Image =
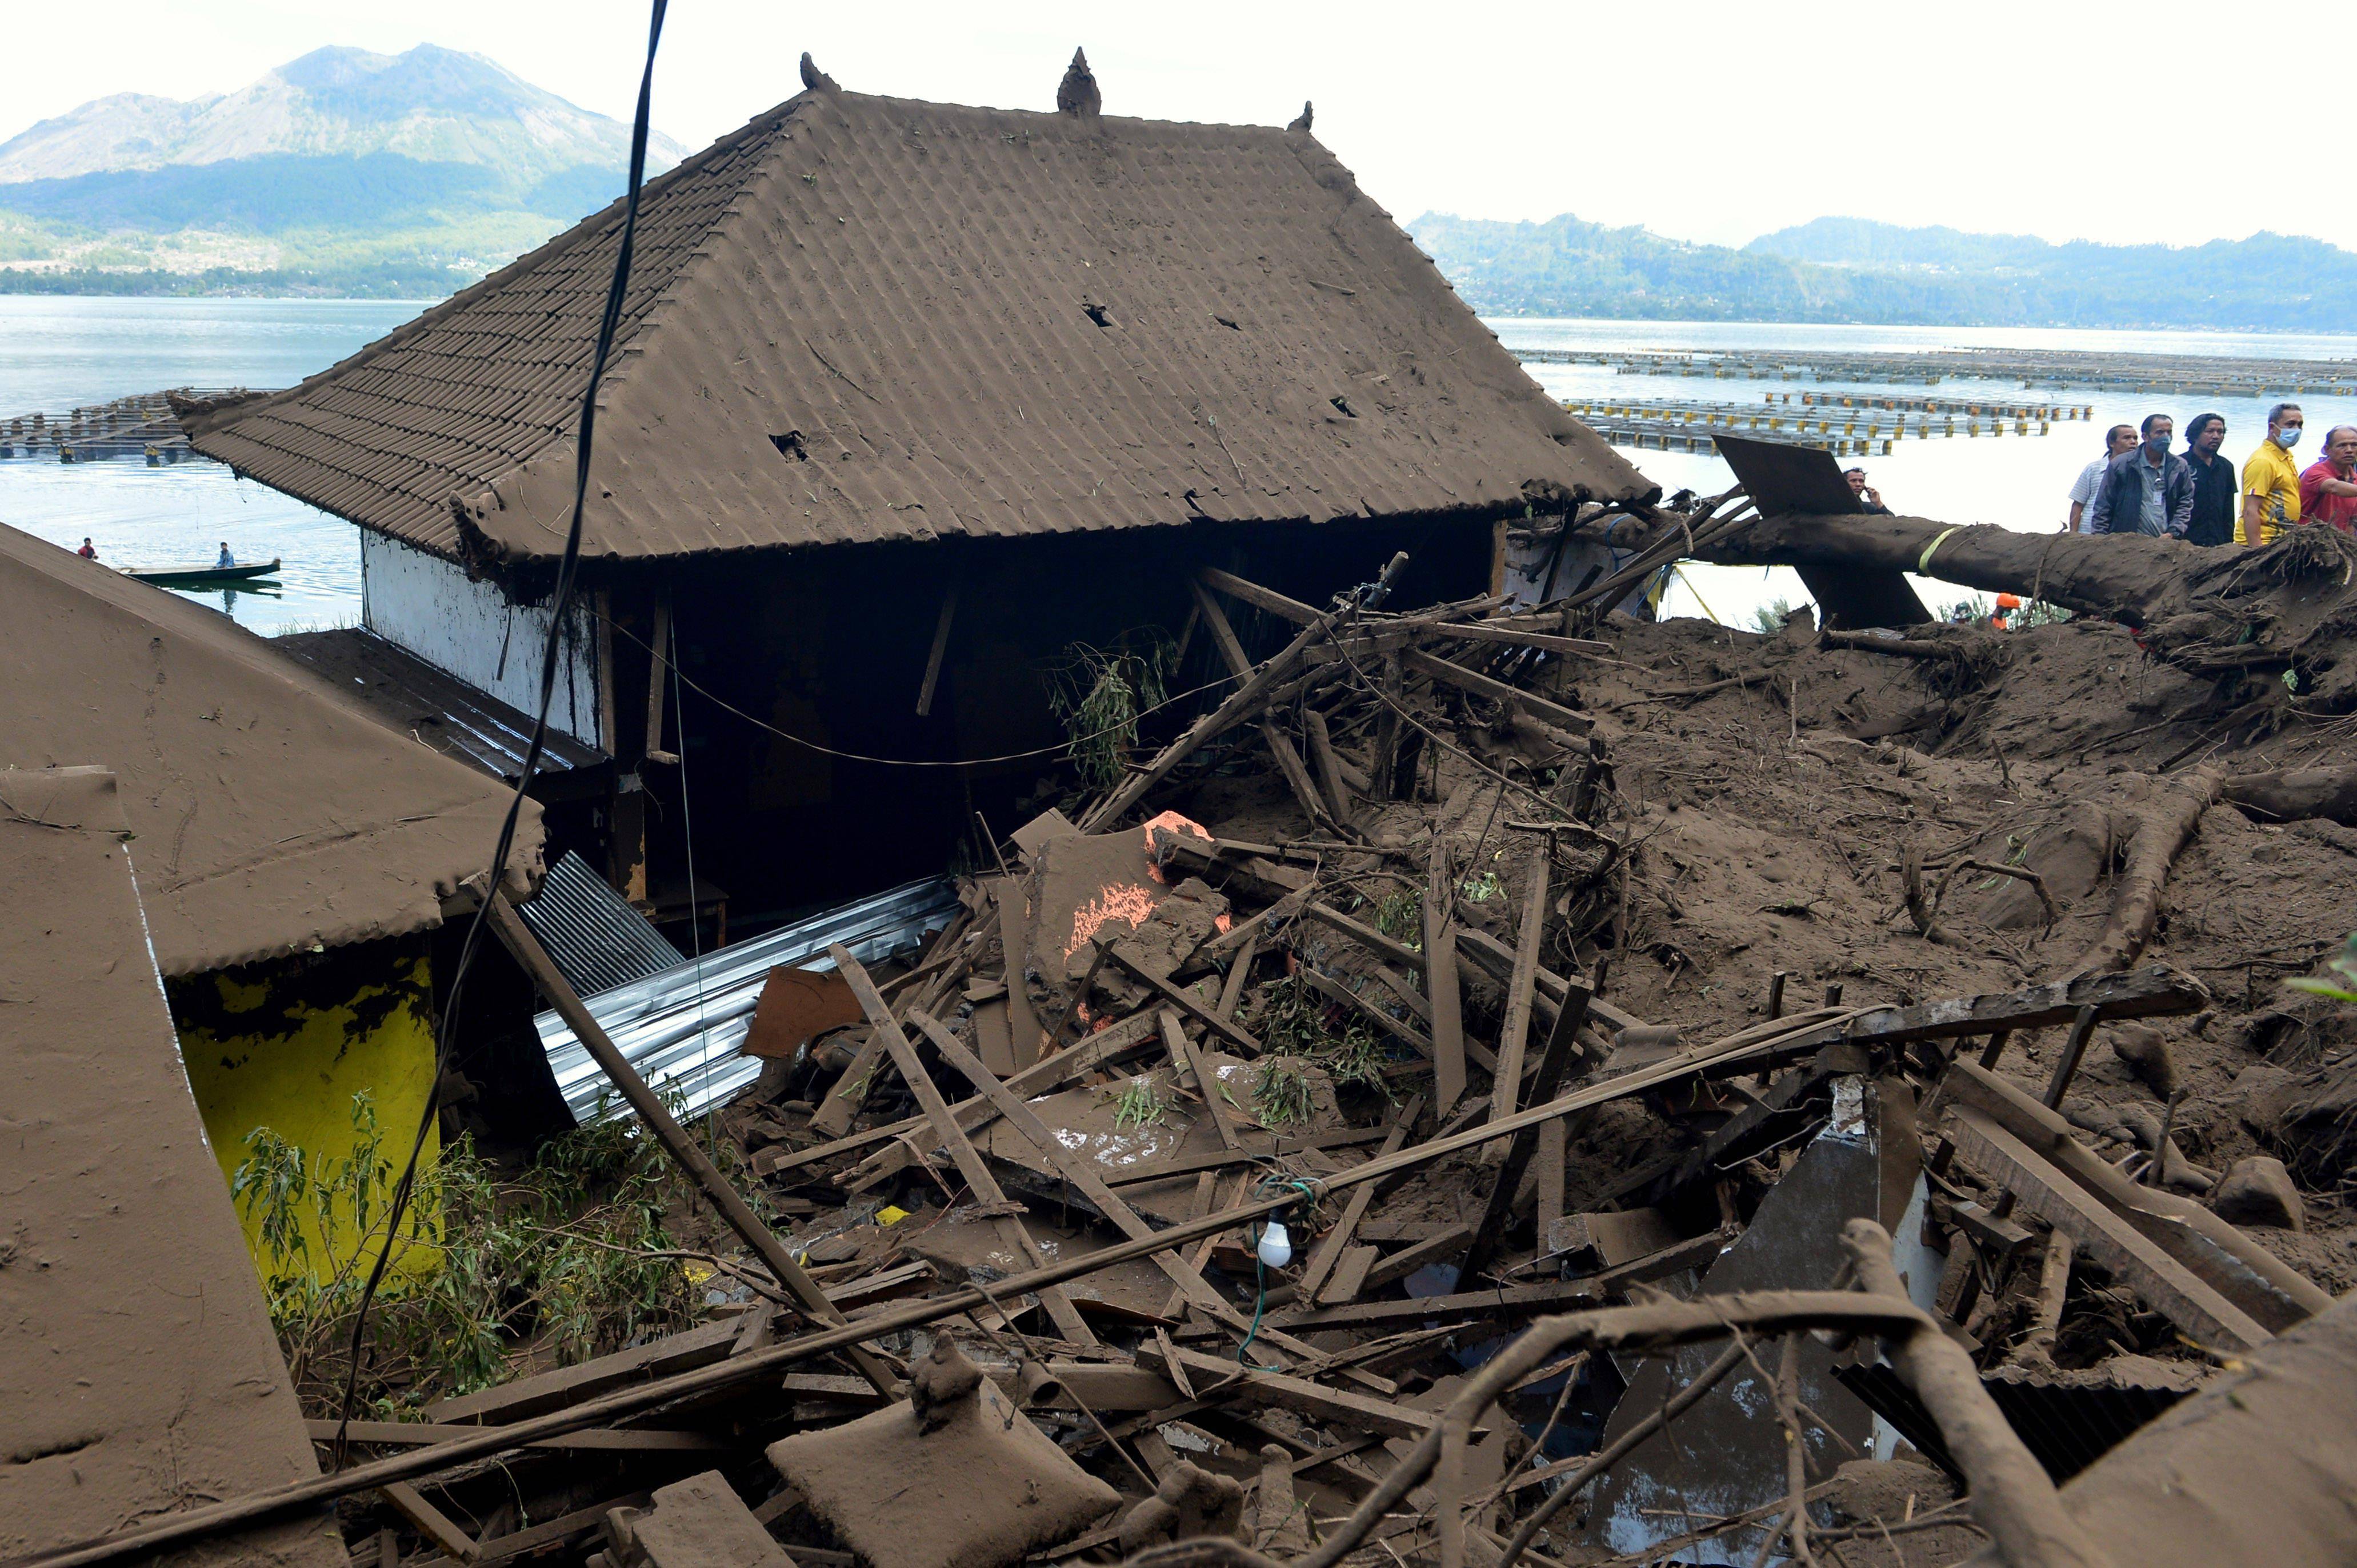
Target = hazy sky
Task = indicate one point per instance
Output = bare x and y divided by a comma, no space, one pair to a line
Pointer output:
1703,121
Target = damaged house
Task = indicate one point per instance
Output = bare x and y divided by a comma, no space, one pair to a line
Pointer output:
920,417
297,861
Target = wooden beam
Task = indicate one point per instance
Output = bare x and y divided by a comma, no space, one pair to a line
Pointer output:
1191,1064
430,1522
1067,1164
1329,1251
1554,1061
657,1119
1329,769
2132,1259
659,664
1253,1386
1223,635
1513,1040
941,645
1439,957
1482,631
1456,675
1185,1001
1260,598
1005,1217
614,1440
1296,776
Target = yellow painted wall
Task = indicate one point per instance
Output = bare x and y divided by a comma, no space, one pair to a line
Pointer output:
285,1045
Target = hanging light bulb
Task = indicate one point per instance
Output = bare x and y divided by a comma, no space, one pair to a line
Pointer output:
1275,1248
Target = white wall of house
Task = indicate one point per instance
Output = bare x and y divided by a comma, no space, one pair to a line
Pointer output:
472,630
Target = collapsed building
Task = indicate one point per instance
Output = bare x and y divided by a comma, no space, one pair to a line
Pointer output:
910,399
1489,1080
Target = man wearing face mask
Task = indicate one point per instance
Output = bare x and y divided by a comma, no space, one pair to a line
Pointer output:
2213,480
2149,491
2118,441
2271,480
2328,486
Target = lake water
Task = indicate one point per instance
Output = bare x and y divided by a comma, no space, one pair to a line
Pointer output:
57,352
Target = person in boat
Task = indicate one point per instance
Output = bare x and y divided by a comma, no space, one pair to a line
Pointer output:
88,551
226,558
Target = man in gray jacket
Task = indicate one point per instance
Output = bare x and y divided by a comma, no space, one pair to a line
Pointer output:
2149,490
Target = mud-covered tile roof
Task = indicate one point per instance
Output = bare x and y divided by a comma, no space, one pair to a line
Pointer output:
271,813
864,319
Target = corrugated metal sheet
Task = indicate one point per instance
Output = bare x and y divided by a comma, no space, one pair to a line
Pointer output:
680,1028
591,933
867,318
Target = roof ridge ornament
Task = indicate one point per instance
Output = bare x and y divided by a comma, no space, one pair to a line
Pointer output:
1077,94
815,80
1303,123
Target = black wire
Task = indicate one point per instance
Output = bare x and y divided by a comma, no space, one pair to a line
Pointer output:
607,324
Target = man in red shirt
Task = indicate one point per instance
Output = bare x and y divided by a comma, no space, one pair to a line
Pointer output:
2328,486
88,551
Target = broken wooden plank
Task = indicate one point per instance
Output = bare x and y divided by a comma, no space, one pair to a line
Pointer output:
839,1106
1516,637
621,1440
1092,1052
1450,1242
1260,598
2131,1257
1350,1277
1440,991
2273,1292
1185,1001
1456,675
430,1522
1335,789
1296,776
1253,1386
653,1115
1191,1064
1005,1218
1067,1164
1513,1040
941,645
1323,1256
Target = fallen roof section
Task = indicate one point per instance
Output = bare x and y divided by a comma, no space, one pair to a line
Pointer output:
862,318
138,1371
274,816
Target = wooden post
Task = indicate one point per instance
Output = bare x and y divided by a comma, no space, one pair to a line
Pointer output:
1385,759
511,929
1776,992
659,663
940,647
2074,1048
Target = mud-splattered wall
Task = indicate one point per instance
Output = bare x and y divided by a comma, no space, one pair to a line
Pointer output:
287,1045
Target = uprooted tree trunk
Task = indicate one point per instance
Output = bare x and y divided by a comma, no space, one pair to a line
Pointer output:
2289,604
2164,822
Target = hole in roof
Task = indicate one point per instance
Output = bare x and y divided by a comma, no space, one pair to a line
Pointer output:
1344,405
1096,313
789,445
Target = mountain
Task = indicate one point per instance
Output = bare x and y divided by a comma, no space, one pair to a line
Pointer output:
342,171
1851,269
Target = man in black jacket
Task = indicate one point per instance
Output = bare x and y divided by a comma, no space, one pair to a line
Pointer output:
2149,491
2214,486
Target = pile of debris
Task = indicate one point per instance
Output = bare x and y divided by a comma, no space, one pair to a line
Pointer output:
1424,1111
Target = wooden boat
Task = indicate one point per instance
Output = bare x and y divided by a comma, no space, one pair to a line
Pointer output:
198,577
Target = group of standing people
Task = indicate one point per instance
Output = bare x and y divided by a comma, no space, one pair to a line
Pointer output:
2139,486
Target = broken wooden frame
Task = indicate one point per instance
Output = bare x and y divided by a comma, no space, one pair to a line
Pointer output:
2146,993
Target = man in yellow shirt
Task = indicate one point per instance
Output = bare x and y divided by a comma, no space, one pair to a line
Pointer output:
2271,480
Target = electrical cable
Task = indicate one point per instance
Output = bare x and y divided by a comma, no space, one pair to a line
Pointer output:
1260,1277
1061,746
608,323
